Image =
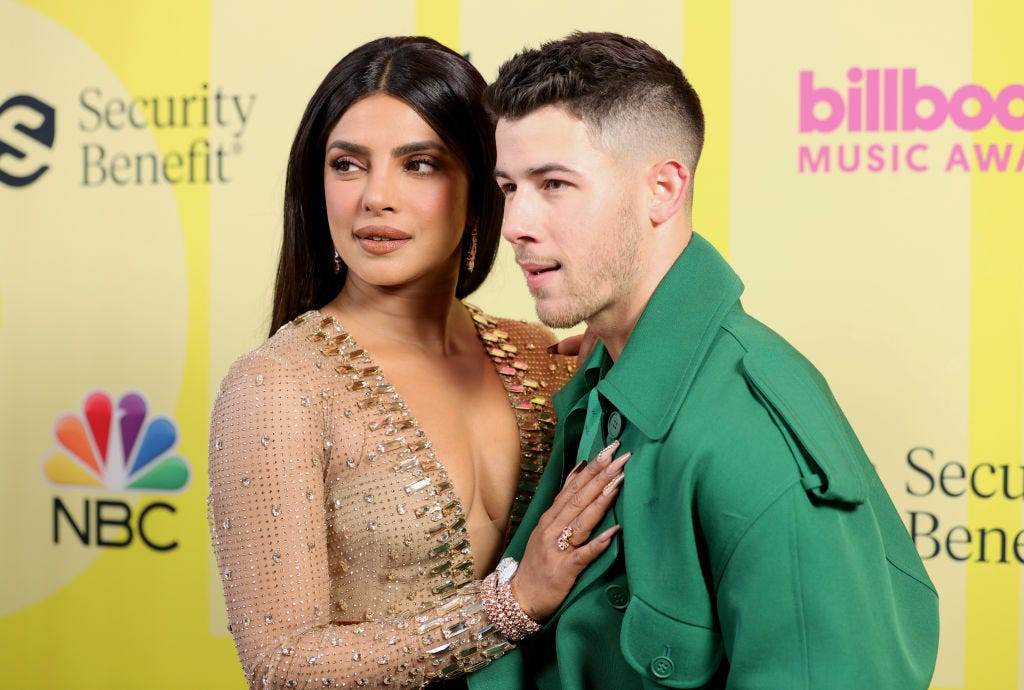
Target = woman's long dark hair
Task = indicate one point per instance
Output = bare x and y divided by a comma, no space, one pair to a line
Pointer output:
440,85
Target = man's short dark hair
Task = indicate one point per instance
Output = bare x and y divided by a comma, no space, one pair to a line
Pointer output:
626,92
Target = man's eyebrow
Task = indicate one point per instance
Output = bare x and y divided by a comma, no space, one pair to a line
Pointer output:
539,171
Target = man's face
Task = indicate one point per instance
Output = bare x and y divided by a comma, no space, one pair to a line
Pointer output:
571,216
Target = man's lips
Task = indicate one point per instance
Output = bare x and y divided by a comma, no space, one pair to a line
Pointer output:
381,239
538,273
538,266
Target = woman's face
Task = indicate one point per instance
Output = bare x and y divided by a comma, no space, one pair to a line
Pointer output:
396,196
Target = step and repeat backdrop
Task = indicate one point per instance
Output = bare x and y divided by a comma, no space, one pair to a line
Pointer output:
864,173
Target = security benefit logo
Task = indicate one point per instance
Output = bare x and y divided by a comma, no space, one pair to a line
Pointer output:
946,485
28,128
122,449
196,136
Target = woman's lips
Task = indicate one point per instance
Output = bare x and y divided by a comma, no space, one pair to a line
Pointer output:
381,239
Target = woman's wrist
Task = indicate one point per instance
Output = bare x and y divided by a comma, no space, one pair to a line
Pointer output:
501,605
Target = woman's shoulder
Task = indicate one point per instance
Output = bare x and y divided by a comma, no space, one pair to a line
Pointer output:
519,330
290,349
527,342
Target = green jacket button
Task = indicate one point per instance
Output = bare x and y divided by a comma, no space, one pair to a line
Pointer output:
662,667
614,425
617,596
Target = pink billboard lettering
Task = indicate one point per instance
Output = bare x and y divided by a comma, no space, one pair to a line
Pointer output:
893,100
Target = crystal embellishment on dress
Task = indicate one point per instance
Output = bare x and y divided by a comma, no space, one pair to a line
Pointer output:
383,491
119,448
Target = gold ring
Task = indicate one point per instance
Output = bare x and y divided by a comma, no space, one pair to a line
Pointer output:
563,541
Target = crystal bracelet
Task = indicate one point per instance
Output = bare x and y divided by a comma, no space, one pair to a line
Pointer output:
504,611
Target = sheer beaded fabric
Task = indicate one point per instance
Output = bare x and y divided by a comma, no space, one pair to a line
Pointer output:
340,541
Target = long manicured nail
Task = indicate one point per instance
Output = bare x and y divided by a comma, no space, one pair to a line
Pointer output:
607,535
613,484
607,452
619,462
579,466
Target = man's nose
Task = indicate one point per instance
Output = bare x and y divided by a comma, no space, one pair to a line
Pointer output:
519,223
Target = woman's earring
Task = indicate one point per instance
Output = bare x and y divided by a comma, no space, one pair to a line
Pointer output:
471,254
337,262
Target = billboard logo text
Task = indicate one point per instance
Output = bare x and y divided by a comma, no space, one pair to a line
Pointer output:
892,100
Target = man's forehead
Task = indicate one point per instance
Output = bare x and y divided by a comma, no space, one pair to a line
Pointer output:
547,135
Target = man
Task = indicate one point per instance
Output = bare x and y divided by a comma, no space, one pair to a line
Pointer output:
758,548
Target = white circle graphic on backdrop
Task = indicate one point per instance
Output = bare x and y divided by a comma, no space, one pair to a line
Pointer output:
94,293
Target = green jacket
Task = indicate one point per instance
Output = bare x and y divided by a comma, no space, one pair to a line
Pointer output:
758,547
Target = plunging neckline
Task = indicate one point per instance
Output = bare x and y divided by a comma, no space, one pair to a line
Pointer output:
487,335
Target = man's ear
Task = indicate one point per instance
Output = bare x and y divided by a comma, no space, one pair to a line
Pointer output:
668,182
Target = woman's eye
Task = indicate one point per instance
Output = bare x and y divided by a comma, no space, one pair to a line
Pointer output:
508,188
420,165
343,165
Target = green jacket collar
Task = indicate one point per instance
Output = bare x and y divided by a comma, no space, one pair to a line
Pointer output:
653,374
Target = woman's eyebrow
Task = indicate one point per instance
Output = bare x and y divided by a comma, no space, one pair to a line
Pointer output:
348,146
415,147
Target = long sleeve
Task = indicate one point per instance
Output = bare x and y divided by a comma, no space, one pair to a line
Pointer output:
293,568
831,611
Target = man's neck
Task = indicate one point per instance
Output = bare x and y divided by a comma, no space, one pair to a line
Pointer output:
614,325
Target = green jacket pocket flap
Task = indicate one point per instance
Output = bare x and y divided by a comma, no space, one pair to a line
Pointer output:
667,651
827,451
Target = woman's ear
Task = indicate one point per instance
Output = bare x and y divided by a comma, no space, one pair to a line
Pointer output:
668,182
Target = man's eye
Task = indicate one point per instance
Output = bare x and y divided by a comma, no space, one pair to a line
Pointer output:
554,185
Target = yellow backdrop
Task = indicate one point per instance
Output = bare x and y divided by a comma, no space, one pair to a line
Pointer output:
863,173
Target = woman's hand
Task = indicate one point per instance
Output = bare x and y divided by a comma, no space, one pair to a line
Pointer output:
579,345
560,546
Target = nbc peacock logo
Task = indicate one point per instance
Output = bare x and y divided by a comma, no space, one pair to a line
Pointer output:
118,448
123,451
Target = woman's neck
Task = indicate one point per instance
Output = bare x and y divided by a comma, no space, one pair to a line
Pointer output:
429,319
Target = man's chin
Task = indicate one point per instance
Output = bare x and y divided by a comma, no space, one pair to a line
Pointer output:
554,317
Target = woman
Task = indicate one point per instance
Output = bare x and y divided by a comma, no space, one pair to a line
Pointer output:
366,465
